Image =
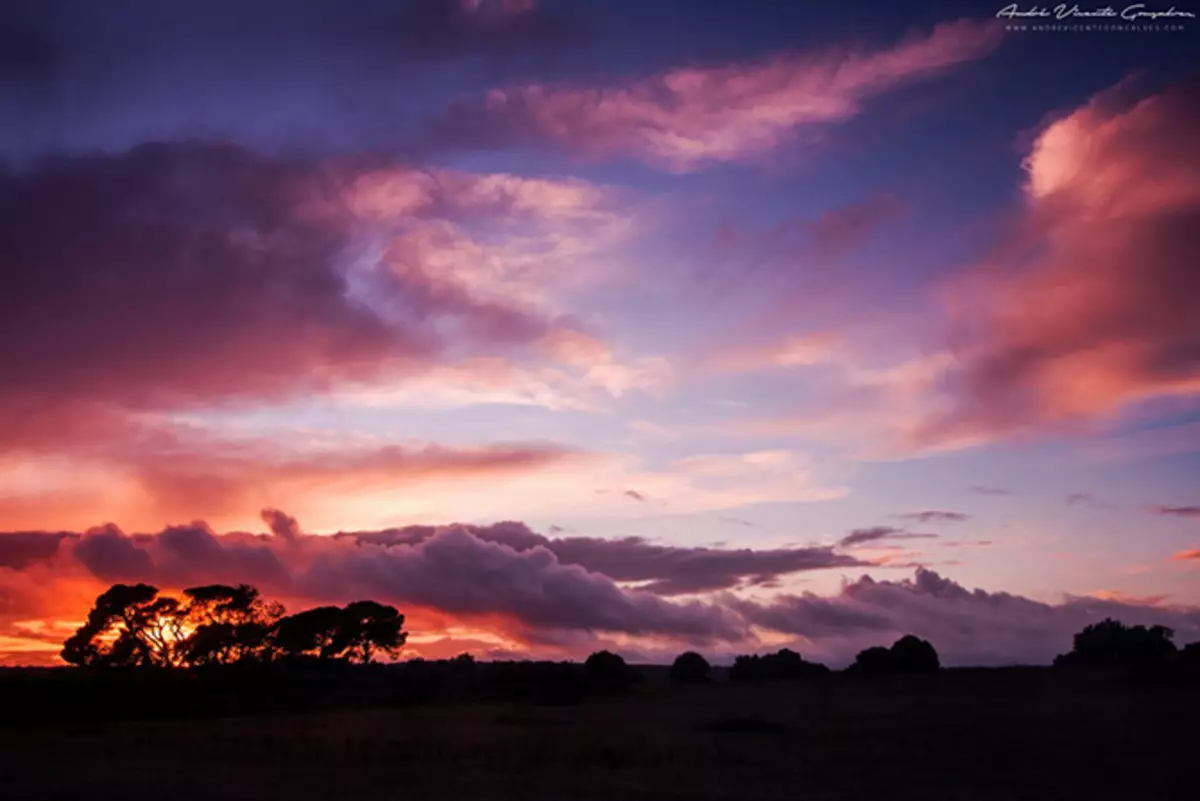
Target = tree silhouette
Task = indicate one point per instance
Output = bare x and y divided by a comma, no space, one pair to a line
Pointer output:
232,624
132,625
129,625
1112,644
313,632
689,668
876,659
783,664
908,654
366,627
914,655
607,672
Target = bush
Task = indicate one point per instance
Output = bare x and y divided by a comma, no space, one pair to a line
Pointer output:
607,673
690,668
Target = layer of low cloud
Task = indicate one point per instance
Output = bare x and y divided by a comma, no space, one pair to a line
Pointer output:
510,587
967,626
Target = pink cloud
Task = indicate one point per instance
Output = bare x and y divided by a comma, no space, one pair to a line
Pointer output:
1089,307
691,116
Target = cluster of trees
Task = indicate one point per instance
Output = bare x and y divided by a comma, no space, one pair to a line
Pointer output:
783,664
1112,644
908,654
133,625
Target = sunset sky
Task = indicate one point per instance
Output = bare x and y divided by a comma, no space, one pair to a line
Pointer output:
710,324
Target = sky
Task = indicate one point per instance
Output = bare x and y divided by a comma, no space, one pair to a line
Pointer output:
650,326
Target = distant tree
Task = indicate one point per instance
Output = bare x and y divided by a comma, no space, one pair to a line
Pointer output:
368,627
130,625
1112,644
690,668
908,654
913,655
1189,656
783,664
746,668
876,659
607,672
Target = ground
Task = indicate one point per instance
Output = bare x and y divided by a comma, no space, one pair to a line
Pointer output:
972,735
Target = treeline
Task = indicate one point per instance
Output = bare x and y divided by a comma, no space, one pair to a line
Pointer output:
132,625
221,650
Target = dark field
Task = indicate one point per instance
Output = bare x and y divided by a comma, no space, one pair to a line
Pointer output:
976,735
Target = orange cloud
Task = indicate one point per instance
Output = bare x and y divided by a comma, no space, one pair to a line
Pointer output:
1187,556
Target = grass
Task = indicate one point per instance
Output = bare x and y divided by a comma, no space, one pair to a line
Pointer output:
977,735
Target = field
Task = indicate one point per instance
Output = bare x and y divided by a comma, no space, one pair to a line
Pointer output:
972,735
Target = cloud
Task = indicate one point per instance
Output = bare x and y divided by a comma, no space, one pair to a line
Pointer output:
451,569
982,490
935,516
1186,556
514,590
231,275
968,627
281,525
1177,511
665,569
689,117
865,535
1086,308
19,549
231,484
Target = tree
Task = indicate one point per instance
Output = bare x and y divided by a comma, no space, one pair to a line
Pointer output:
313,632
129,625
876,659
783,664
355,632
608,672
1112,644
690,668
913,655
219,624
232,624
366,627
908,654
